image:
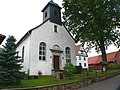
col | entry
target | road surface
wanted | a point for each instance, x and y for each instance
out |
(109, 84)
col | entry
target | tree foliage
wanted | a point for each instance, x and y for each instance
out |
(93, 22)
(10, 64)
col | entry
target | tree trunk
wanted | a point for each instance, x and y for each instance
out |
(102, 48)
(104, 58)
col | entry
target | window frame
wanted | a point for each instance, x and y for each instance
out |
(85, 64)
(42, 51)
(23, 51)
(80, 64)
(68, 53)
(80, 58)
(84, 59)
(55, 28)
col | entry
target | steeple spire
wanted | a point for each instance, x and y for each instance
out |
(52, 12)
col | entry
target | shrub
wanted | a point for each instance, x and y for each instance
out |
(113, 66)
(90, 69)
(32, 77)
(78, 69)
(69, 69)
(118, 67)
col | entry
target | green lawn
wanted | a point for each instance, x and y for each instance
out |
(42, 81)
(93, 74)
(50, 80)
(45, 80)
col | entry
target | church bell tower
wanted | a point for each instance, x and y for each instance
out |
(52, 11)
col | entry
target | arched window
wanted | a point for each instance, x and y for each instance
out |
(67, 51)
(42, 51)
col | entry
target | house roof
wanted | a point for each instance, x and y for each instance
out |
(117, 53)
(93, 60)
(77, 47)
(98, 59)
(80, 51)
(2, 37)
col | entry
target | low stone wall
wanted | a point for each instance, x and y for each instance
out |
(100, 78)
(71, 86)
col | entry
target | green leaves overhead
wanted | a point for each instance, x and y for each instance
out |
(91, 19)
(93, 22)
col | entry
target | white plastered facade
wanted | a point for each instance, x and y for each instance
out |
(45, 33)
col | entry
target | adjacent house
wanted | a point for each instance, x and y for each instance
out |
(2, 37)
(96, 61)
(46, 47)
(117, 57)
(81, 57)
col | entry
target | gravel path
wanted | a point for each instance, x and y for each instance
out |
(109, 84)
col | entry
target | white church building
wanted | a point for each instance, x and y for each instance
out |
(46, 47)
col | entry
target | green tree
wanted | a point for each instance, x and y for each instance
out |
(93, 22)
(10, 64)
(69, 68)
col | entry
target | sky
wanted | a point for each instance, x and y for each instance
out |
(17, 17)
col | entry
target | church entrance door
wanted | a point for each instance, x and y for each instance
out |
(56, 63)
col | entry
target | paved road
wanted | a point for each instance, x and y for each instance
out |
(109, 84)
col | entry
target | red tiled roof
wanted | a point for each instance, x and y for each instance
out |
(93, 60)
(77, 48)
(118, 55)
(97, 59)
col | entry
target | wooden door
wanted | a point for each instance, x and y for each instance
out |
(56, 63)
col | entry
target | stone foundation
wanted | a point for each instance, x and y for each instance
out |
(71, 86)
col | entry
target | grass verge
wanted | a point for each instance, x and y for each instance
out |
(50, 80)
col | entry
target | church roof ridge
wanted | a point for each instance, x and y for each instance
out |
(52, 3)
(29, 32)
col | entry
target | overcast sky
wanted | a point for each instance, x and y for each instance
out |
(19, 16)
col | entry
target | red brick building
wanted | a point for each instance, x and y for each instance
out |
(96, 61)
